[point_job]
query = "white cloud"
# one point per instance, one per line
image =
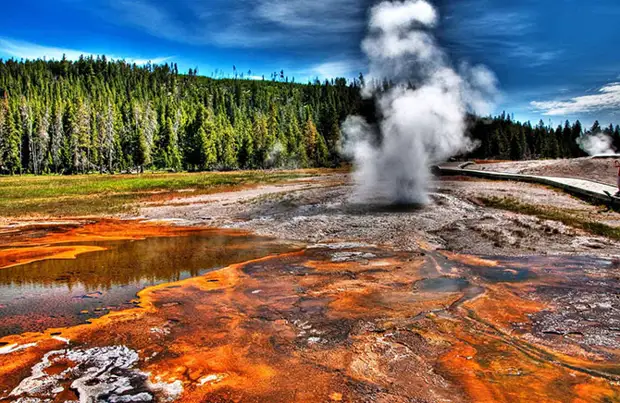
(140, 62)
(315, 14)
(32, 51)
(241, 23)
(607, 98)
(26, 50)
(504, 23)
(334, 69)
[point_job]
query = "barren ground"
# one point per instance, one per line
(320, 210)
(600, 170)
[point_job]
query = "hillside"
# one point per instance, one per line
(99, 115)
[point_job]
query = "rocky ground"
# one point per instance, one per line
(321, 210)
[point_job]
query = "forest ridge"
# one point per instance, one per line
(99, 115)
(95, 115)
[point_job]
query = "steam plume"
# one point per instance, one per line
(596, 144)
(422, 114)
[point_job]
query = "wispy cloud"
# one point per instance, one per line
(504, 34)
(506, 23)
(243, 23)
(605, 99)
(334, 69)
(531, 56)
(330, 16)
(32, 51)
(27, 50)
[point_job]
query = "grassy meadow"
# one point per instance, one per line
(86, 195)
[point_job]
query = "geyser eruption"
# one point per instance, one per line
(422, 114)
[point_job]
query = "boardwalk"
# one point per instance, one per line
(595, 191)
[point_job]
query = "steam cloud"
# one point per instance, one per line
(596, 144)
(422, 114)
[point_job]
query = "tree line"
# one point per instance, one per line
(98, 115)
(502, 137)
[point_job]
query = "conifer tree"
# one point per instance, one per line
(517, 145)
(142, 151)
(56, 139)
(40, 142)
(10, 145)
(226, 143)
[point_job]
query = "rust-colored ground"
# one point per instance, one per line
(328, 324)
(98, 230)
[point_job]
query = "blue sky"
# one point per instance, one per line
(555, 59)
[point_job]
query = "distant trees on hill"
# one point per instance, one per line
(95, 115)
(503, 138)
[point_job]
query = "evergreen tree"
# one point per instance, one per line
(10, 144)
(551, 149)
(321, 158)
(577, 132)
(262, 142)
(518, 145)
(245, 144)
(310, 139)
(616, 137)
(56, 139)
(39, 142)
(142, 151)
(226, 144)
(570, 144)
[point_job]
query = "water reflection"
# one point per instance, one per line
(56, 293)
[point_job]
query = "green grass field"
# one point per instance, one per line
(85, 195)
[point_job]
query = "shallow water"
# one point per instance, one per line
(523, 268)
(442, 284)
(57, 293)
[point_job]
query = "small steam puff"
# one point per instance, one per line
(422, 115)
(596, 144)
